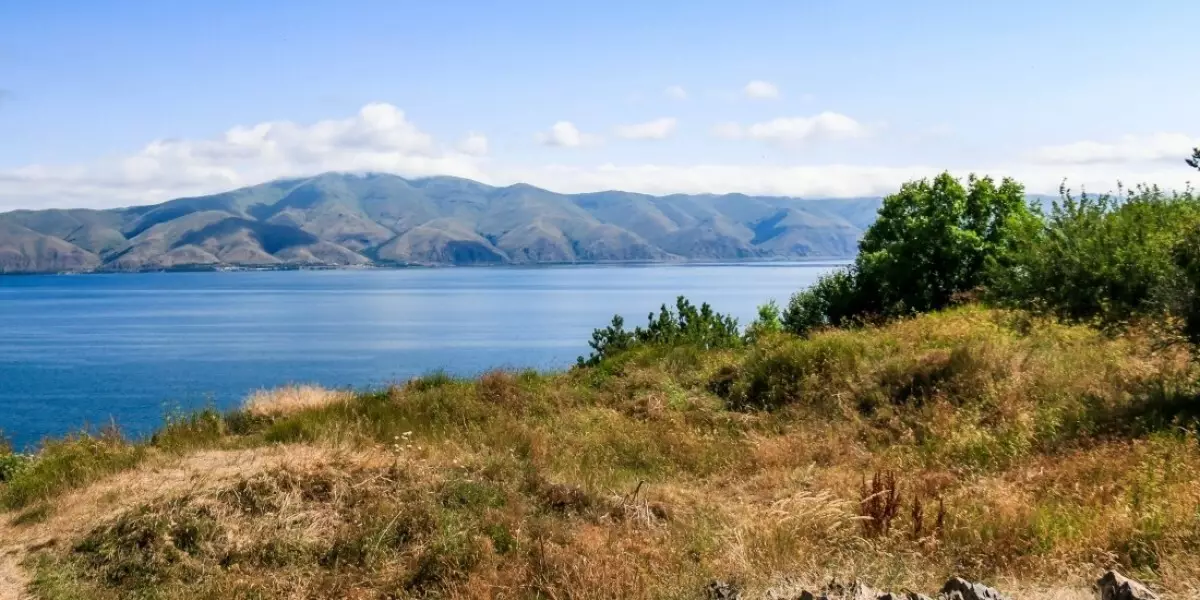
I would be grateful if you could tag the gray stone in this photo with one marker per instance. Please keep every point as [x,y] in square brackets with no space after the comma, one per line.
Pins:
[1115,586]
[720,590]
[958,588]
[854,590]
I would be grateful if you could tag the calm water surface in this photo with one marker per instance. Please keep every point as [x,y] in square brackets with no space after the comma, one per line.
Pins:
[78,350]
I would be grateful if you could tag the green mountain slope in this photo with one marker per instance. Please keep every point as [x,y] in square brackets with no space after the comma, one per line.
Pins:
[339,219]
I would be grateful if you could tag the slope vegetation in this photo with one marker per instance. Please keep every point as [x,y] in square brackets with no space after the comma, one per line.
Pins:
[1015,451]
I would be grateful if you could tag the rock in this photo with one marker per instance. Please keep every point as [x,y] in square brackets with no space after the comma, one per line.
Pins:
[955,589]
[903,596]
[1114,586]
[958,588]
[860,591]
[720,590]
[787,589]
[854,590]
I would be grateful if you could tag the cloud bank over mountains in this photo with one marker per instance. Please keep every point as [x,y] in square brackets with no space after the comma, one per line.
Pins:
[380,137]
[1158,147]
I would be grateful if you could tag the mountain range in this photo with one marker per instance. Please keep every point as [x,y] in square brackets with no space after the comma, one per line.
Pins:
[339,219]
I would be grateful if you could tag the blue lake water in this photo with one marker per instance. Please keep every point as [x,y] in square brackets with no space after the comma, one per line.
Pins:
[81,350]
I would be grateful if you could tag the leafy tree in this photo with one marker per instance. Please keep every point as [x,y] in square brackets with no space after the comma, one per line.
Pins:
[936,239]
[1194,161]
[686,325]
[932,242]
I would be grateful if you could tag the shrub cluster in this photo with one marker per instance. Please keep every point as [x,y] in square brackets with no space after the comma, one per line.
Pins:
[1108,260]
[686,325]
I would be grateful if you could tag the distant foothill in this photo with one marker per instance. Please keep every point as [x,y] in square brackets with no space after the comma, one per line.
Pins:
[342,220]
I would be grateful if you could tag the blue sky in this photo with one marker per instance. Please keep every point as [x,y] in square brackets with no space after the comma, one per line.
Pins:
[121,102]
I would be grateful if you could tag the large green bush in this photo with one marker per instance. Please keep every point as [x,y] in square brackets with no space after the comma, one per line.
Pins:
[933,241]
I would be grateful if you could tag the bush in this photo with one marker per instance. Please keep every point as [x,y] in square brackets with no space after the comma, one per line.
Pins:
[833,301]
[12,464]
[933,242]
[809,372]
[1107,259]
[67,464]
[1187,298]
[768,322]
[687,325]
[609,341]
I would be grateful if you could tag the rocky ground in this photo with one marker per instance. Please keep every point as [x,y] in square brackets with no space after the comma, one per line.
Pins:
[1112,586]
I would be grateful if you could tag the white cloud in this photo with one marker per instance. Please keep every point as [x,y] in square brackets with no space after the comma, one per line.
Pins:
[676,92]
[658,129]
[824,126]
[798,180]
[729,130]
[1158,147]
[565,134]
[761,90]
[816,180]
[378,138]
[475,144]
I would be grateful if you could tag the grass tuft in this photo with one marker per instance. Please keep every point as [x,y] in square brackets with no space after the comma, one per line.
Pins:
[293,399]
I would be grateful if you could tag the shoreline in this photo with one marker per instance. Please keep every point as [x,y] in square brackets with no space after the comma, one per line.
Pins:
[831,261]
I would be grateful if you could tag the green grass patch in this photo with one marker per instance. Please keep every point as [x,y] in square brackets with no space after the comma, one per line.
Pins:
[67,464]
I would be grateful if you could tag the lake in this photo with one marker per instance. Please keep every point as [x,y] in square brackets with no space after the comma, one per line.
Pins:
[85,349]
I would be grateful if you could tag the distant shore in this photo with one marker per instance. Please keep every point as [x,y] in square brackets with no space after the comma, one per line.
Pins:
[808,261]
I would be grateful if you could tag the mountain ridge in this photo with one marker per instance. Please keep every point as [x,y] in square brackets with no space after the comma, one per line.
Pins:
[342,220]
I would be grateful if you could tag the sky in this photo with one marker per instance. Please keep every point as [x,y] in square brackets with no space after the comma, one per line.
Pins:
[129,102]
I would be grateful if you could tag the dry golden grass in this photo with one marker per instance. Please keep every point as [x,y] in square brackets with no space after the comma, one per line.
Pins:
[292,399]
[159,477]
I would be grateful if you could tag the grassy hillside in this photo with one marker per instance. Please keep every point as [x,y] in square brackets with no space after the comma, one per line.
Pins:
[340,219]
[1018,451]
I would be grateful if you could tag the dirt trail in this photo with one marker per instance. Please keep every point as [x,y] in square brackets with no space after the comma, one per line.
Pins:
[159,477]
